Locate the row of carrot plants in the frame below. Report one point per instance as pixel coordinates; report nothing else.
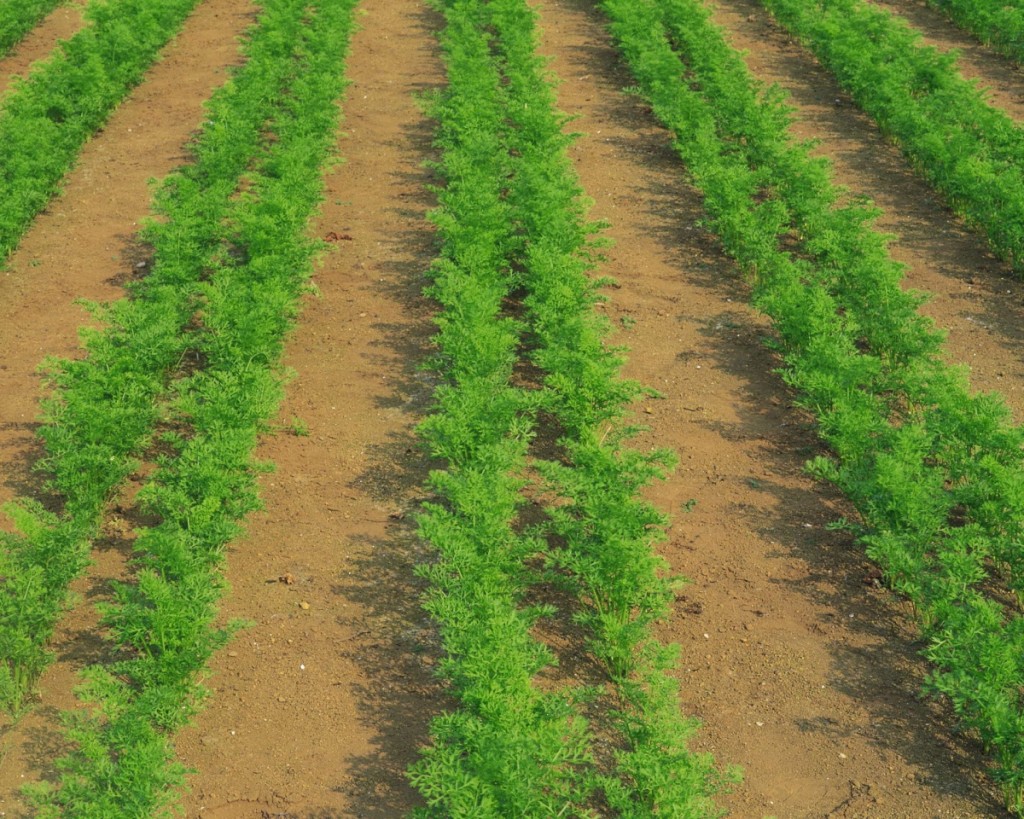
(48, 116)
(970, 151)
(511, 221)
(604, 530)
(510, 749)
(935, 471)
(994, 22)
(162, 623)
(19, 18)
(233, 241)
(105, 407)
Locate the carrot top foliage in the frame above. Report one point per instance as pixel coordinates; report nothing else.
(513, 232)
(185, 377)
(935, 471)
(46, 118)
(968, 150)
(20, 17)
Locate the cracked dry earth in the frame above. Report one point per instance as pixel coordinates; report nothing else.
(802, 670)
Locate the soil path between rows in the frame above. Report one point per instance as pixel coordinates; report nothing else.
(60, 24)
(82, 246)
(974, 296)
(801, 671)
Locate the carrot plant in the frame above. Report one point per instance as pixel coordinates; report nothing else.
(994, 22)
(510, 749)
(512, 228)
(162, 623)
(970, 151)
(934, 470)
(47, 117)
(104, 408)
(605, 530)
(20, 17)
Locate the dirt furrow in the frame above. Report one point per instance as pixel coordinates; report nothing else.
(975, 297)
(60, 24)
(802, 670)
(82, 246)
(321, 704)
(1000, 76)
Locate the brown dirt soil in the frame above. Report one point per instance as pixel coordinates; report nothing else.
(334, 738)
(802, 670)
(60, 24)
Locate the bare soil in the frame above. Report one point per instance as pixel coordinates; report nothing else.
(801, 668)
(319, 710)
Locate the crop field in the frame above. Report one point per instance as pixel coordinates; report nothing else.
(511, 408)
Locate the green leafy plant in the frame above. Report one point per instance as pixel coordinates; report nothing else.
(995, 22)
(970, 151)
(47, 116)
(510, 749)
(512, 229)
(606, 532)
(105, 408)
(241, 263)
(19, 17)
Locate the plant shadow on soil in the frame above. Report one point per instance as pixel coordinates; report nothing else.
(399, 703)
(885, 682)
(20, 475)
(136, 261)
(40, 746)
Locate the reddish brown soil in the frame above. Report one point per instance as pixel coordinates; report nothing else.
(802, 671)
(333, 738)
